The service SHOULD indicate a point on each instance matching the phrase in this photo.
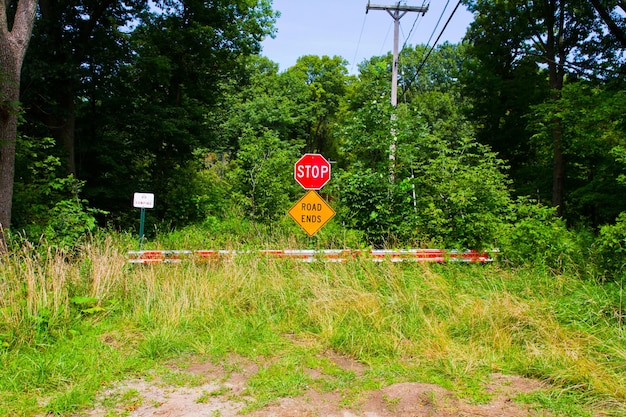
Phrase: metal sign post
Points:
(142, 221)
(143, 201)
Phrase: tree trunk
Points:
(13, 44)
(9, 95)
(555, 57)
(558, 166)
(63, 127)
(62, 120)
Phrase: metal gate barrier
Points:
(314, 255)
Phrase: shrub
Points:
(537, 236)
(47, 204)
(610, 249)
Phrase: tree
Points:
(326, 80)
(557, 36)
(449, 189)
(593, 121)
(163, 107)
(76, 43)
(262, 174)
(613, 20)
(502, 81)
(16, 25)
(267, 101)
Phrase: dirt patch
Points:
(222, 393)
(409, 400)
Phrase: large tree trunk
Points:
(9, 95)
(63, 126)
(555, 56)
(13, 44)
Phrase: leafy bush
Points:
(462, 192)
(453, 194)
(262, 175)
(610, 249)
(535, 235)
(369, 204)
(445, 189)
(196, 190)
(47, 204)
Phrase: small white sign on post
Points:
(143, 200)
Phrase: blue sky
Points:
(341, 27)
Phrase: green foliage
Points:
(447, 188)
(48, 205)
(619, 153)
(463, 197)
(592, 119)
(542, 101)
(262, 176)
(138, 102)
(70, 222)
(502, 81)
(326, 81)
(367, 205)
(610, 249)
(534, 235)
(196, 190)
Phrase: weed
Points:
(391, 402)
(182, 379)
(203, 398)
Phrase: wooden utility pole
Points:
(396, 11)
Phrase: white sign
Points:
(143, 200)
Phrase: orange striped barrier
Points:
(312, 255)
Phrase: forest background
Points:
(512, 139)
(520, 126)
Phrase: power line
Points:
(438, 21)
(358, 43)
(396, 11)
(382, 46)
(435, 44)
(417, 18)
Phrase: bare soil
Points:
(223, 394)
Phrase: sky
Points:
(343, 28)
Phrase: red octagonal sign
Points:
(312, 171)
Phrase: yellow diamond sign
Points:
(311, 212)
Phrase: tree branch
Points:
(4, 26)
(22, 25)
(610, 22)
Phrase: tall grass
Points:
(70, 324)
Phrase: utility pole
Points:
(396, 11)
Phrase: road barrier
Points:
(314, 255)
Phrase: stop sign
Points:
(312, 171)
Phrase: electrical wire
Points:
(438, 21)
(358, 43)
(417, 18)
(385, 40)
(434, 44)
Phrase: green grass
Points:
(70, 326)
